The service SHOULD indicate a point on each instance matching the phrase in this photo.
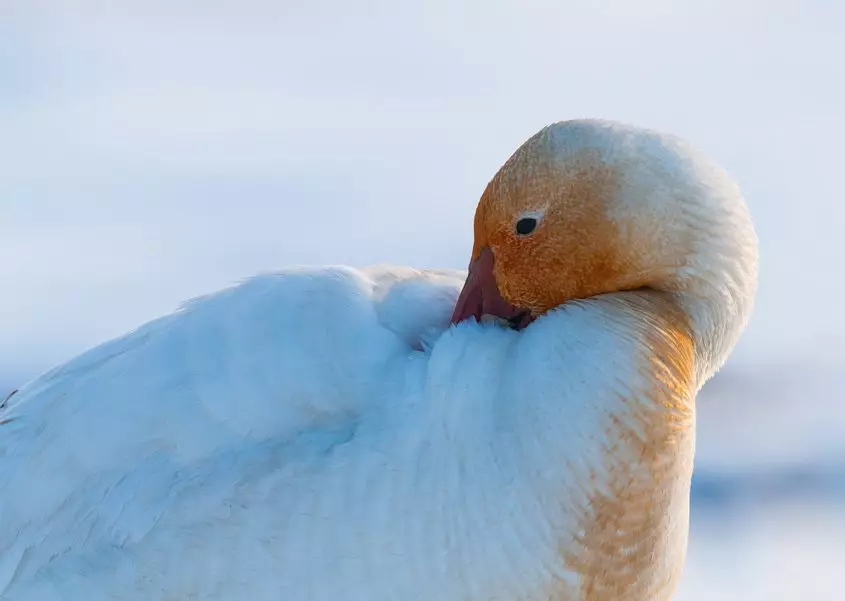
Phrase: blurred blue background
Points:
(152, 151)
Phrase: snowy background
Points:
(151, 151)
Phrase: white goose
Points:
(324, 434)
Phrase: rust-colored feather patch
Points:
(621, 550)
(579, 249)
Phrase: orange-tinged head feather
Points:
(620, 208)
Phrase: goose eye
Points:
(526, 225)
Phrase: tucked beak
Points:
(480, 296)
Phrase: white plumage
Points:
(323, 434)
(280, 439)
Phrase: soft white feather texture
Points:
(322, 434)
(315, 434)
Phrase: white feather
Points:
(322, 434)
(286, 439)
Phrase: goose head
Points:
(587, 208)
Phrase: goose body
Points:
(333, 433)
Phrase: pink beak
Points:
(481, 296)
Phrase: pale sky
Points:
(151, 151)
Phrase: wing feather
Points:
(274, 357)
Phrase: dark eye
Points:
(526, 225)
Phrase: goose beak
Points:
(480, 296)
